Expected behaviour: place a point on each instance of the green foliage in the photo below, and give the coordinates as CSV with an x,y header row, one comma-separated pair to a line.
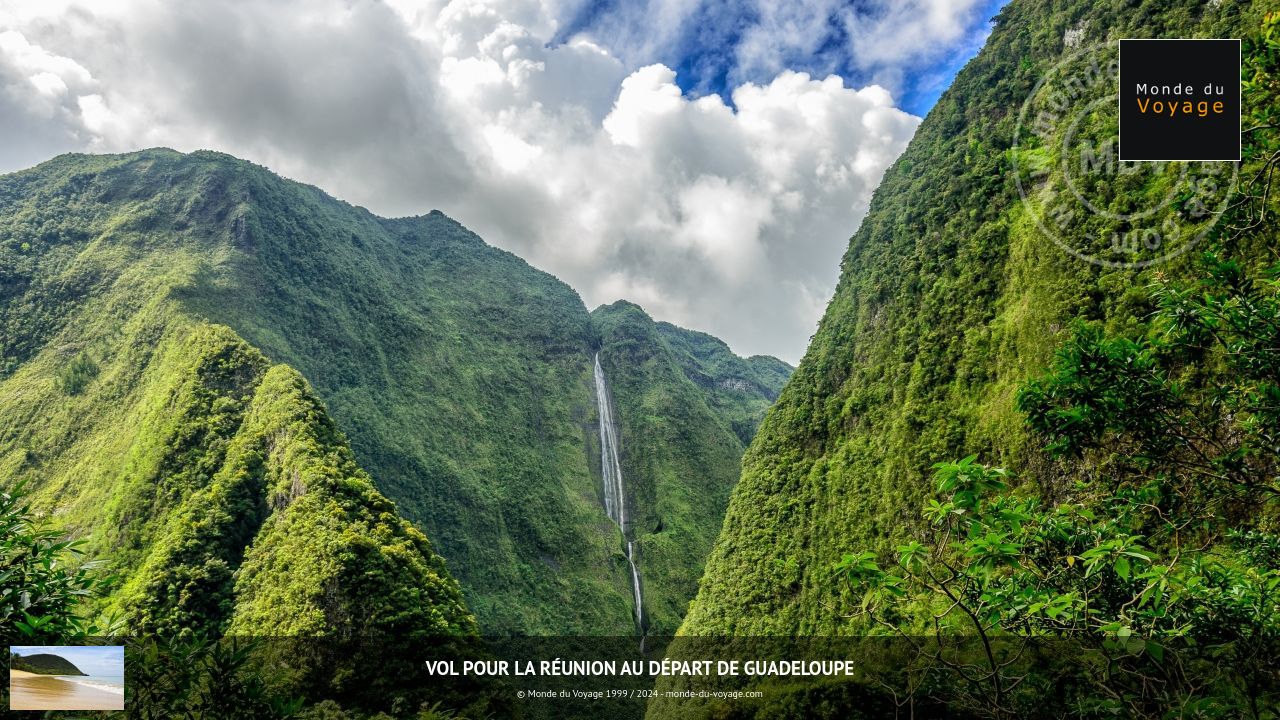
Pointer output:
x,y
460,374
288,535
334,553
43,578
77,374
1260,145
1162,612
330,710
196,678
1213,438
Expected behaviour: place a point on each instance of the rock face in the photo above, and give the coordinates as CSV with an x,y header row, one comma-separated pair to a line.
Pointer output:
x,y
44,664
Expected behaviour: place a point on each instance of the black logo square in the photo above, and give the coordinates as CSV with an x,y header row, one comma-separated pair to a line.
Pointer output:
x,y
1180,100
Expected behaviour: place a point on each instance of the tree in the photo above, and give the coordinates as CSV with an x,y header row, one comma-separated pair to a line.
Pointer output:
x,y
1154,565
43,579
1146,620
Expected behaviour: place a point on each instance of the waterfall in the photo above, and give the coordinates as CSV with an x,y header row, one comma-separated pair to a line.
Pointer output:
x,y
615,497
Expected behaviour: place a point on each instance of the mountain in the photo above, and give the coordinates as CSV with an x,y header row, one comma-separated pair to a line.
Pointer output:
x,y
738,389
43,664
949,299
223,379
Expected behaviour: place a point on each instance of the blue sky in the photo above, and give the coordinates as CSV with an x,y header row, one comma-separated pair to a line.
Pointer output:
x,y
706,159
92,660
705,50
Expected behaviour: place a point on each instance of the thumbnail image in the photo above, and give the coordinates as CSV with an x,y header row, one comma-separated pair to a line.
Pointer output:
x,y
61,677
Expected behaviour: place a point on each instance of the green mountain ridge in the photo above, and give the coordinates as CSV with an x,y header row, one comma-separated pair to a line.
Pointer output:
x,y
43,664
739,389
206,369
949,299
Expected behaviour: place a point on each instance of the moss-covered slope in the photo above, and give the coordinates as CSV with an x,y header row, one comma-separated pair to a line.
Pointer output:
x,y
288,536
191,462
949,298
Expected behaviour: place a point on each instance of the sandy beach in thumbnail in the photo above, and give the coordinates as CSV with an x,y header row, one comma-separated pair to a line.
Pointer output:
x,y
29,691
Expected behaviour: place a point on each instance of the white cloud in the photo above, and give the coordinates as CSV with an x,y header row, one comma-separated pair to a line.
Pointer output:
x,y
726,219
40,92
899,30
904,35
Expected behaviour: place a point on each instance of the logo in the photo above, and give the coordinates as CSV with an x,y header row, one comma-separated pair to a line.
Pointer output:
x,y
1079,192
1180,100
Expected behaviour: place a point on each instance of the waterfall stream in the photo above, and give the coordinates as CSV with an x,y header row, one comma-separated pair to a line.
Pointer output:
x,y
615,497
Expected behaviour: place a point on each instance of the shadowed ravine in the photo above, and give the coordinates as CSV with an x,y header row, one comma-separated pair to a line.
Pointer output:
x,y
615,497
